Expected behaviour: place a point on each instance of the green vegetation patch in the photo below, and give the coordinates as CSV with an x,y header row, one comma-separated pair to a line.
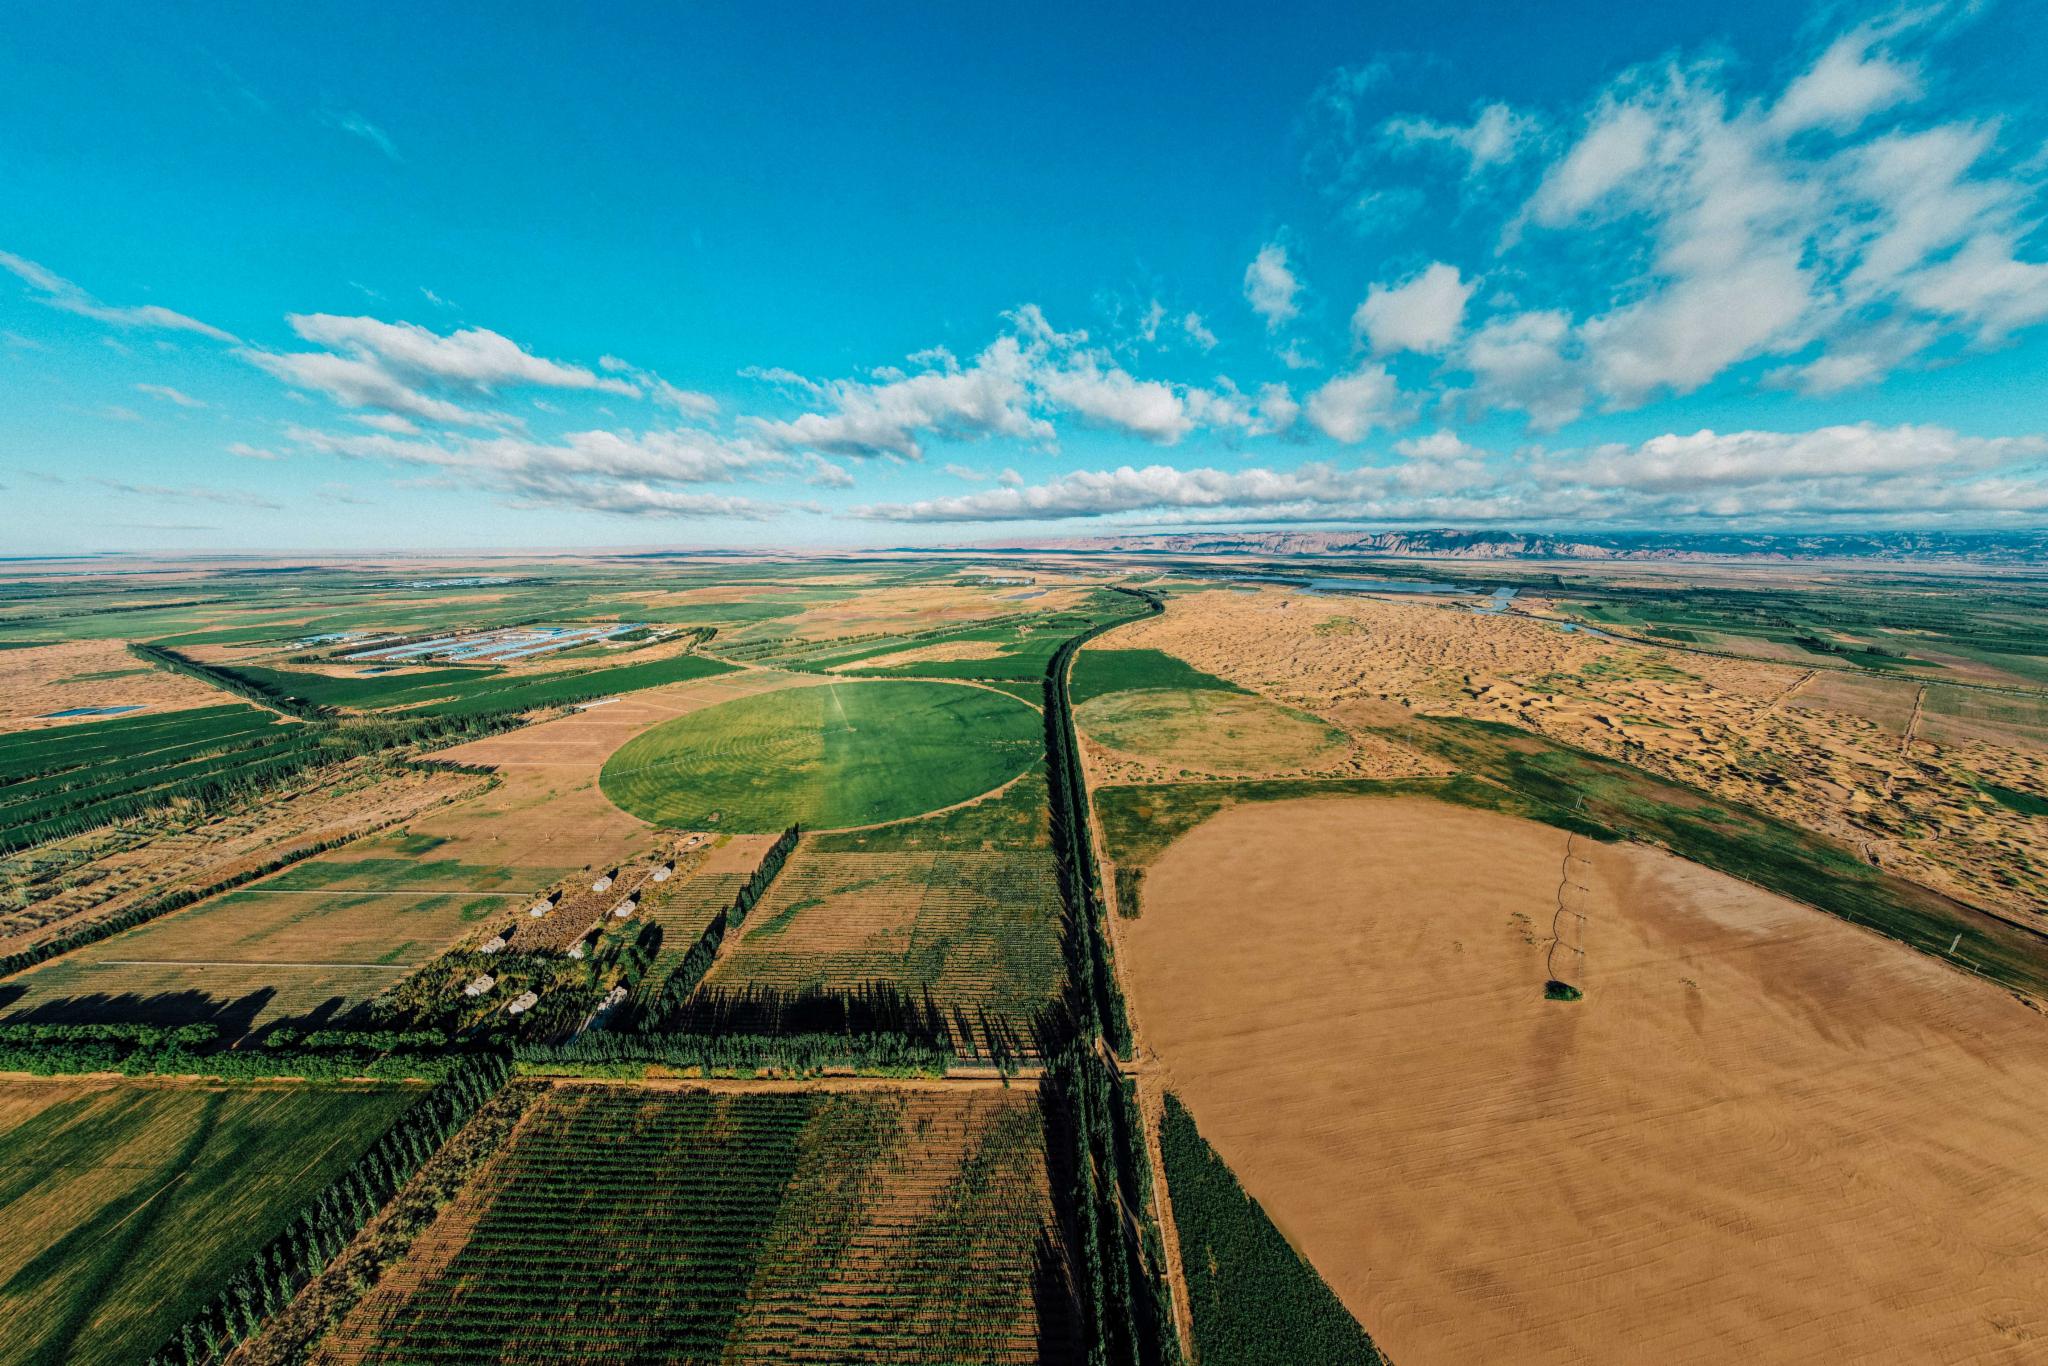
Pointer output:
x,y
469,692
1219,732
830,756
123,1206
1253,1297
2026,803
1097,672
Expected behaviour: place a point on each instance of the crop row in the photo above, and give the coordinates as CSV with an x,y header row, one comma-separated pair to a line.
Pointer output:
x,y
781,1227
41,753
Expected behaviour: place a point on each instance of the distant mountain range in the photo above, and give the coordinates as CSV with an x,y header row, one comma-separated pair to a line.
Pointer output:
x,y
1991,547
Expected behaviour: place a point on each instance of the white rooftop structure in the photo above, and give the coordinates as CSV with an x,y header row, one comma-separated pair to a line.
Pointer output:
x,y
522,1003
482,984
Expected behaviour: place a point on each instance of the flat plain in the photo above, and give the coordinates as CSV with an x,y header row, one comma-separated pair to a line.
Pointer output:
x,y
1751,1139
123,1203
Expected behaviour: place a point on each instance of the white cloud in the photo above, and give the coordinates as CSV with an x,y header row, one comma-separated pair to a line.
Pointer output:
x,y
987,397
1107,396
1438,445
249,452
358,382
1197,331
1276,409
1348,407
355,125
1495,136
1014,388
1270,286
167,394
1520,360
1860,475
822,473
54,291
1735,236
647,473
1422,313
1615,146
474,358
1148,324
1849,82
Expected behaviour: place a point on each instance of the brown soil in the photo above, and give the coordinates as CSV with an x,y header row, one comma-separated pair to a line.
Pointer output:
x,y
1827,757
1764,1135
47,678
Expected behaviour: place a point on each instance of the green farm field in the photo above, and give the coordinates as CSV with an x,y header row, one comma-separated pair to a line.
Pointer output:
x,y
124,1204
1211,730
684,1226
977,934
845,754
464,692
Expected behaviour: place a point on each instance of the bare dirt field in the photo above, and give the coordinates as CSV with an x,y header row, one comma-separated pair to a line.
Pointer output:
x,y
89,673
1801,744
547,807
1764,1135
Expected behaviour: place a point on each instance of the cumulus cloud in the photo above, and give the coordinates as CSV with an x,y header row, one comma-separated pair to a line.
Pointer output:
x,y
1198,331
1815,228
1270,286
1350,406
1015,388
1863,475
1422,313
54,291
1438,445
644,473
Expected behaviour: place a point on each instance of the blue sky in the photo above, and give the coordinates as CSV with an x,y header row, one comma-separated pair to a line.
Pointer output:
x,y
361,277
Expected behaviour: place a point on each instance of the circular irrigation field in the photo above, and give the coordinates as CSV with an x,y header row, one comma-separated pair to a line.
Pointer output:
x,y
828,756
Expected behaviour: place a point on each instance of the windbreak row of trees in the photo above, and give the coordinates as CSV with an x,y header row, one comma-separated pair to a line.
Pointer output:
x,y
328,1221
1115,1254
197,1050
662,1013
1079,874
108,926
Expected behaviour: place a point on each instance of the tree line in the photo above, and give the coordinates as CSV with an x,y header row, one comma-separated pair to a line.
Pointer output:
x,y
661,1013
1095,1134
327,1222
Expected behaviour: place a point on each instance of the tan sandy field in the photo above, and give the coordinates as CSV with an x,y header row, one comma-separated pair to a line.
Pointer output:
x,y
47,678
1763,1136
547,808
1824,751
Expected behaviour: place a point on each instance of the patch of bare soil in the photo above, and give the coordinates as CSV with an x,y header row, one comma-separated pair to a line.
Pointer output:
x,y
89,673
1763,1135
1827,756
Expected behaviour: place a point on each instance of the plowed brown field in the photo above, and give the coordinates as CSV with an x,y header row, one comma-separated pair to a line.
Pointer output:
x,y
1764,1135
